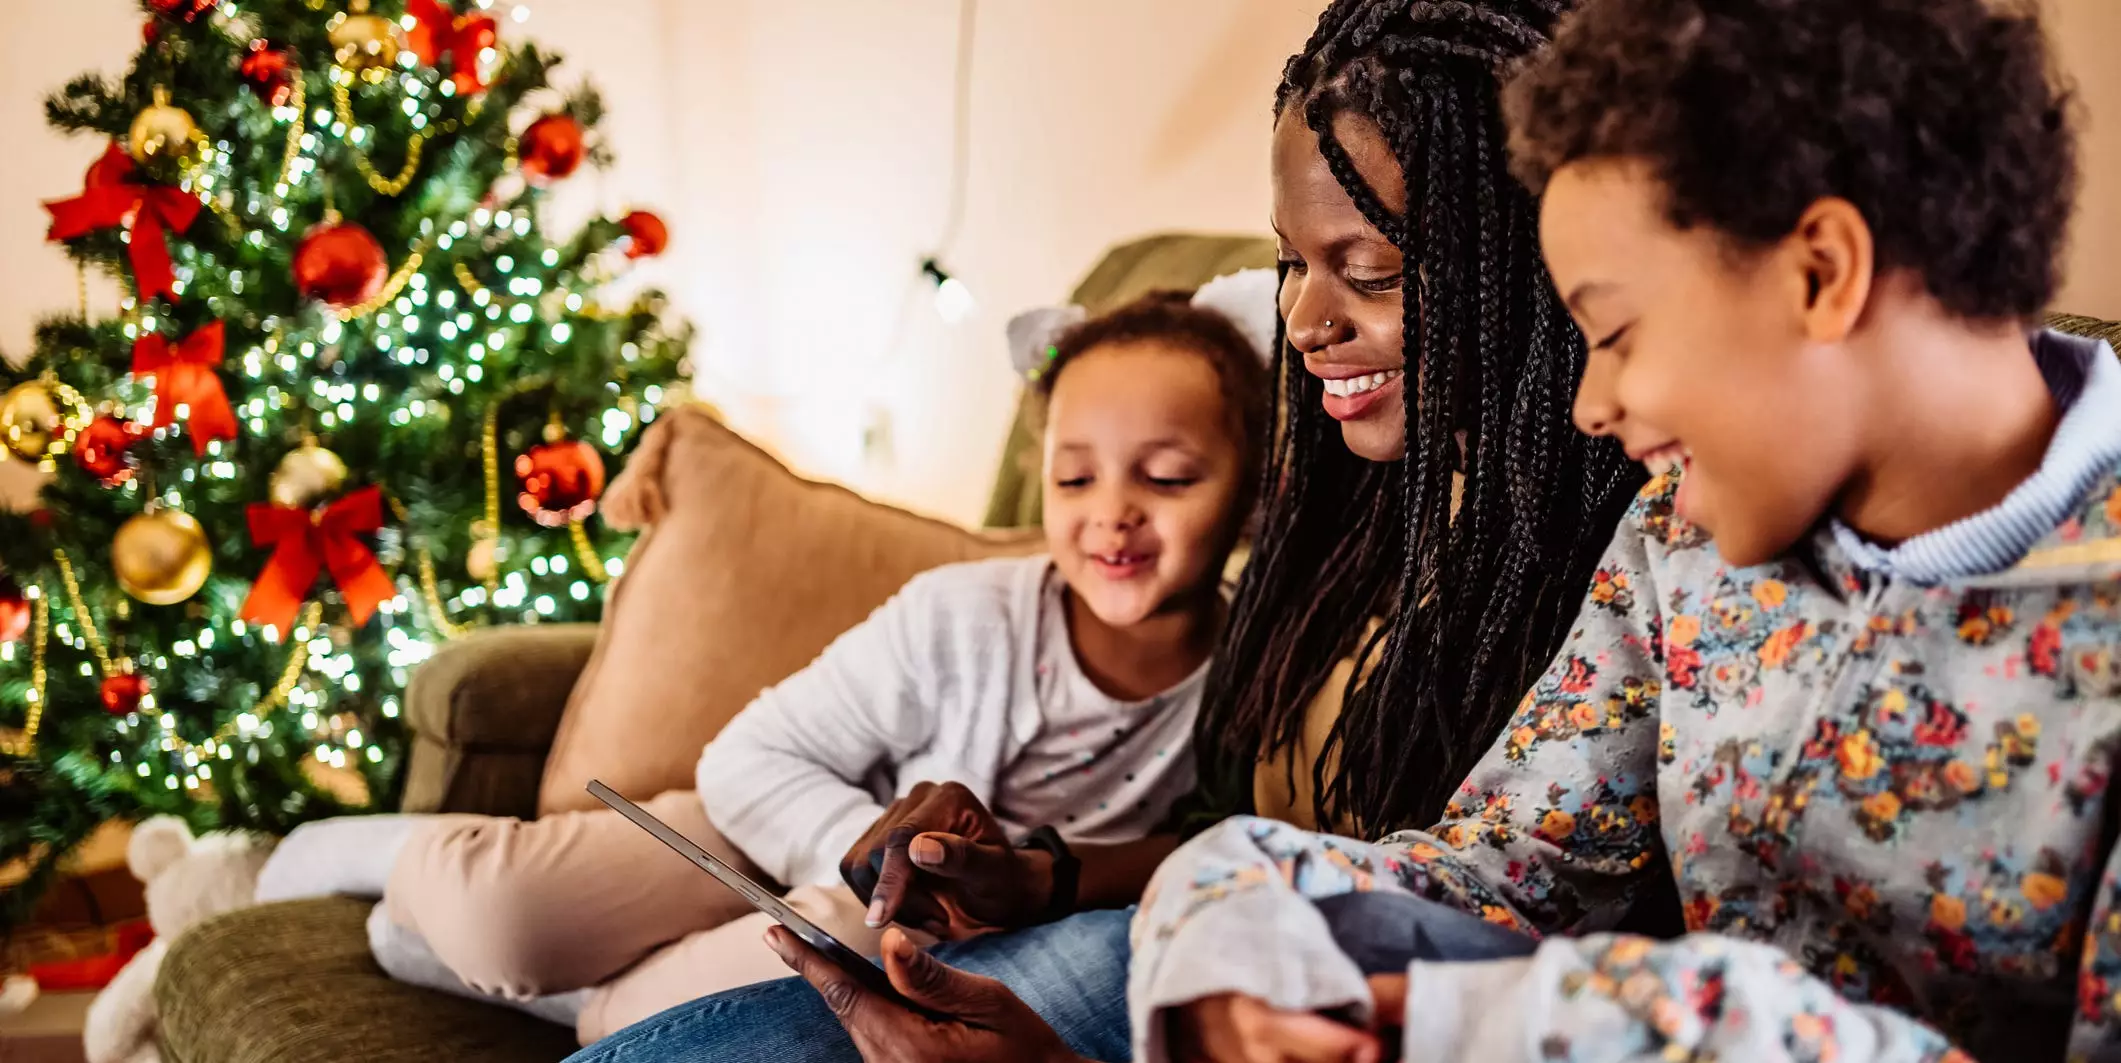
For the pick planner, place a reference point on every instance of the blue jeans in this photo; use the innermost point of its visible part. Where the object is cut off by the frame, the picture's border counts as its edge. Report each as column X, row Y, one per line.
column 1072, row 973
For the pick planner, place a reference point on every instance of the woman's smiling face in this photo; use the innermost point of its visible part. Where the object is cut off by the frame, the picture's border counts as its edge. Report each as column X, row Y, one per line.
column 1344, row 295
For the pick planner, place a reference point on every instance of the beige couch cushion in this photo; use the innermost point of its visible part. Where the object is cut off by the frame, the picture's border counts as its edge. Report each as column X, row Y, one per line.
column 746, row 573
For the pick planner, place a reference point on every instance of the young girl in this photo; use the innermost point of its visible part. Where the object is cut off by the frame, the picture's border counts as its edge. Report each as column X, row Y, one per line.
column 1850, row 672
column 1060, row 688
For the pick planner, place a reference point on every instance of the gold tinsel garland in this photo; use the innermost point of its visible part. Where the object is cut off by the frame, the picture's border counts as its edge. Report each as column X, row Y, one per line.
column 586, row 552
column 82, row 615
column 298, row 100
column 490, row 466
column 430, row 588
column 342, row 103
column 33, row 717
column 342, row 99
column 290, row 676
column 471, row 284
column 390, row 288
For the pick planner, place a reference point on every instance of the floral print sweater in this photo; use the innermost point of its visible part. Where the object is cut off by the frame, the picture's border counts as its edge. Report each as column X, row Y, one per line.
column 1886, row 805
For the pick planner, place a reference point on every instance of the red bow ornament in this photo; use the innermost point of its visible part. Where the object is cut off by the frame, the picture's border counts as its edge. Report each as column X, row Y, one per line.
column 114, row 195
column 307, row 541
column 465, row 39
column 184, row 375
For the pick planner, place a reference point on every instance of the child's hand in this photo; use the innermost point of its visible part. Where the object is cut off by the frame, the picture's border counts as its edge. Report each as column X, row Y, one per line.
column 946, row 867
column 1240, row 1029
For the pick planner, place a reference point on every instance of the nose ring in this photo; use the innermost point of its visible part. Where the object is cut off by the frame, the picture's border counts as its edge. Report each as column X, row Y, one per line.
column 1329, row 323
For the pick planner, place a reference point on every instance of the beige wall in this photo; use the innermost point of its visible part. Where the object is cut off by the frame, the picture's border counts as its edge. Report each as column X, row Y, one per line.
column 799, row 149
column 1094, row 121
column 2089, row 32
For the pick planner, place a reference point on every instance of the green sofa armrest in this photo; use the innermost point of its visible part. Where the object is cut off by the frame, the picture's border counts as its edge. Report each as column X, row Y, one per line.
column 483, row 711
column 293, row 982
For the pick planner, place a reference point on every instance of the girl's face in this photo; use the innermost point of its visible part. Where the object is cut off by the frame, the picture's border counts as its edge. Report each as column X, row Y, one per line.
column 1344, row 296
column 1142, row 477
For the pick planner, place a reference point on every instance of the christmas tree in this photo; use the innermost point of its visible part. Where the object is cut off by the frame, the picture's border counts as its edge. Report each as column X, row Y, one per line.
column 353, row 404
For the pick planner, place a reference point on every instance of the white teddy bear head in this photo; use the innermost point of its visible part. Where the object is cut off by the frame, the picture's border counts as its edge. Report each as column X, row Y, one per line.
column 190, row 879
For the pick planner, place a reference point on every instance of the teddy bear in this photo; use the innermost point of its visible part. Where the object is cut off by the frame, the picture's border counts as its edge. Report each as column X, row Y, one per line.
column 188, row 880
column 17, row 993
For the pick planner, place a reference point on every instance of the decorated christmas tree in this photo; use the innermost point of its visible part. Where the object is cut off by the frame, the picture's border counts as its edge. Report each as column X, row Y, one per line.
column 353, row 403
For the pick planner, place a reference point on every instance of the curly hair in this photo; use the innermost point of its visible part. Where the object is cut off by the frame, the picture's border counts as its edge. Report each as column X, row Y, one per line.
column 1943, row 121
column 1171, row 319
column 1478, row 591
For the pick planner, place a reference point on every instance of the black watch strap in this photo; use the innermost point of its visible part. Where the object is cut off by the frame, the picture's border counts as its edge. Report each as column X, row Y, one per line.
column 1067, row 871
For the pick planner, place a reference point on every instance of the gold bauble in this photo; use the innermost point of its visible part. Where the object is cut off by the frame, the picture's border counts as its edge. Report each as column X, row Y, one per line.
column 163, row 132
column 483, row 561
column 365, row 44
column 161, row 557
column 28, row 417
column 307, row 475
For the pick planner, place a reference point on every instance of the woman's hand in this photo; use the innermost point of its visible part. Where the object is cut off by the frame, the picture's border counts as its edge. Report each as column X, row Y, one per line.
column 1240, row 1029
column 983, row 1021
column 946, row 867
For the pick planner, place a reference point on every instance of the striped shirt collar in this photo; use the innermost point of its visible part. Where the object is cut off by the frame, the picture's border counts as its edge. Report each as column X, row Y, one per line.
column 2085, row 378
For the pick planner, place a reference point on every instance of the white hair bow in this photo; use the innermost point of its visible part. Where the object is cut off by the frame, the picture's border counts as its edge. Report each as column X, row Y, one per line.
column 1249, row 298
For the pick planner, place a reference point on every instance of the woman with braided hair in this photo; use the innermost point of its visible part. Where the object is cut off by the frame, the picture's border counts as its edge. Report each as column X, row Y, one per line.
column 1429, row 512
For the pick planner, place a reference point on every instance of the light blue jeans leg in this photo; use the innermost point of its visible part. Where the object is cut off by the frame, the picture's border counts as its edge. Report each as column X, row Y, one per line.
column 1073, row 973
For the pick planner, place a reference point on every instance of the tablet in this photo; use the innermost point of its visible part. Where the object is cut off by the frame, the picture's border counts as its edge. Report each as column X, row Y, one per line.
column 869, row 974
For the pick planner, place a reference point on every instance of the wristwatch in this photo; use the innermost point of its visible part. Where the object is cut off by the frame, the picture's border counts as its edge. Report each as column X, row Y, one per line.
column 1067, row 871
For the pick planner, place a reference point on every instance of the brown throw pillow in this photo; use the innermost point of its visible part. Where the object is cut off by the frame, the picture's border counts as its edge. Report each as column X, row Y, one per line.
column 746, row 574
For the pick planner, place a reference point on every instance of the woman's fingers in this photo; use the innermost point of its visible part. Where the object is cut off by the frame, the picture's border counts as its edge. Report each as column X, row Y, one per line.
column 849, row 1000
column 1388, row 999
column 1206, row 1032
column 941, row 988
column 1240, row 1029
column 1304, row 1037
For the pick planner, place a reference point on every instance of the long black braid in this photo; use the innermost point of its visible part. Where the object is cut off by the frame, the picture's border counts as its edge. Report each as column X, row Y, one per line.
column 1479, row 601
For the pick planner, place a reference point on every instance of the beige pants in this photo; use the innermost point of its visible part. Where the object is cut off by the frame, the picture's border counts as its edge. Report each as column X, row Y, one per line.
column 523, row 909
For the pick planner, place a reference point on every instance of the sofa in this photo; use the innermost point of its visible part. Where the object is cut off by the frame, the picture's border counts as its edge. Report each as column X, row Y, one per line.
column 499, row 724
column 511, row 721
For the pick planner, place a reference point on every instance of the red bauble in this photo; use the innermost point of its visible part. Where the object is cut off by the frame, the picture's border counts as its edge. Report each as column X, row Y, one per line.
column 14, row 611
column 561, row 481
column 266, row 70
column 341, row 264
column 650, row 235
column 550, row 149
column 101, row 448
column 122, row 692
column 184, row 9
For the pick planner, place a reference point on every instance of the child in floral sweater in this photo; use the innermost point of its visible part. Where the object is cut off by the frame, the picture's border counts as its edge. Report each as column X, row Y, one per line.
column 1851, row 671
